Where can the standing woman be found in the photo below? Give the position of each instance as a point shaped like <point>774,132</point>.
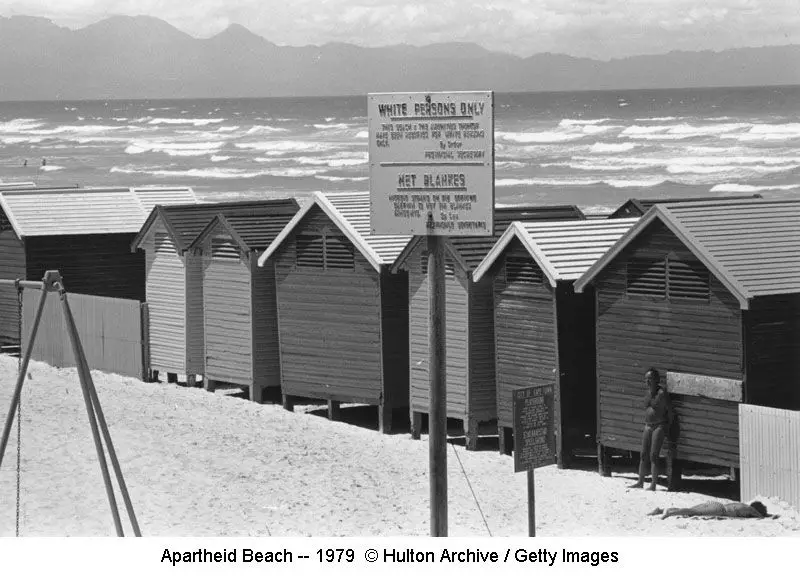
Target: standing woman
<point>658,416</point>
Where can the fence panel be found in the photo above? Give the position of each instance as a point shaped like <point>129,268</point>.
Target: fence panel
<point>110,330</point>
<point>769,445</point>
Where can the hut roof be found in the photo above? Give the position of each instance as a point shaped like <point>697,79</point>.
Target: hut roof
<point>185,222</point>
<point>751,246</point>
<point>563,250</point>
<point>15,184</point>
<point>253,225</point>
<point>350,212</point>
<point>83,211</point>
<point>635,207</point>
<point>469,251</point>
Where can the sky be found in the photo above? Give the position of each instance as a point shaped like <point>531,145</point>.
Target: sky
<point>600,29</point>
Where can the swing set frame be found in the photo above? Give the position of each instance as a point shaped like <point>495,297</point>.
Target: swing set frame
<point>52,283</point>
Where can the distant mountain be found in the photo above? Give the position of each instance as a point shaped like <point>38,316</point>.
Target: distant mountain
<point>144,57</point>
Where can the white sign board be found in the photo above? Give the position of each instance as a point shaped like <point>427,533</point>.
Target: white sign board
<point>431,163</point>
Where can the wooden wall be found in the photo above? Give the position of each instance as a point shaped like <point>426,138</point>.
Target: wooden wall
<point>195,327</point>
<point>266,347</point>
<point>166,299</point>
<point>525,334</point>
<point>394,337</point>
<point>457,288</point>
<point>700,337</point>
<point>482,395</point>
<point>330,324</point>
<point>227,312</point>
<point>98,265</point>
<point>12,266</point>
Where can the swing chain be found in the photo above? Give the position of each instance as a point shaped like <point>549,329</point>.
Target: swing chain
<point>19,406</point>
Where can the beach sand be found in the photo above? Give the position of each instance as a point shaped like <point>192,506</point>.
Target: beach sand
<point>215,464</point>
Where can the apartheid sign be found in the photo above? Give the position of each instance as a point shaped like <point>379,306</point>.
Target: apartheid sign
<point>534,427</point>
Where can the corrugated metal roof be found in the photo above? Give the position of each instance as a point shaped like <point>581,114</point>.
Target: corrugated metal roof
<point>470,251</point>
<point>751,246</point>
<point>151,197</point>
<point>16,184</point>
<point>350,212</point>
<point>254,224</point>
<point>636,207</point>
<point>79,211</point>
<point>185,222</point>
<point>563,250</point>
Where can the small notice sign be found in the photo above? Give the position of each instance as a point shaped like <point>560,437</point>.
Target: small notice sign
<point>534,427</point>
<point>431,163</point>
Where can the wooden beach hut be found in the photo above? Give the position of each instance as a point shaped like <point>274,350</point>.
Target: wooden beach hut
<point>544,331</point>
<point>636,207</point>
<point>174,284</point>
<point>83,233</point>
<point>709,294</point>
<point>343,317</point>
<point>238,298</point>
<point>470,371</point>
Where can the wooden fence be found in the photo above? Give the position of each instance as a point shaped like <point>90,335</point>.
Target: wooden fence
<point>112,331</point>
<point>769,448</point>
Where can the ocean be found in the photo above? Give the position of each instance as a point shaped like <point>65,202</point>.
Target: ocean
<point>593,149</point>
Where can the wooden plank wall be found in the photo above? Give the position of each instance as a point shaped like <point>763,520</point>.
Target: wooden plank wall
<point>394,333</point>
<point>329,325</point>
<point>633,334</point>
<point>482,402</point>
<point>266,348</point>
<point>110,330</point>
<point>525,334</point>
<point>770,462</point>
<point>166,297</point>
<point>227,308</point>
<point>772,331</point>
<point>12,266</point>
<point>99,265</point>
<point>195,325</point>
<point>457,324</point>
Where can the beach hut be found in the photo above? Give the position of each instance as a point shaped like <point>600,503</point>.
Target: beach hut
<point>343,317</point>
<point>83,233</point>
<point>544,331</point>
<point>174,283</point>
<point>238,298</point>
<point>635,207</point>
<point>469,319</point>
<point>709,294</point>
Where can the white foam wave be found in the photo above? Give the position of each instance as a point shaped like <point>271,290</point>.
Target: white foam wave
<point>612,147</point>
<point>623,183</point>
<point>682,131</point>
<point>509,164</point>
<point>179,121</point>
<point>728,169</point>
<point>20,125</point>
<point>362,135</point>
<point>656,119</point>
<point>338,178</point>
<point>769,132</point>
<point>217,158</point>
<point>742,188</point>
<point>331,126</point>
<point>50,168</point>
<point>538,137</point>
<point>544,181</point>
<point>283,147</point>
<point>194,149</point>
<point>342,160</point>
<point>580,122</point>
<point>217,172</point>
<point>227,128</point>
<point>265,130</point>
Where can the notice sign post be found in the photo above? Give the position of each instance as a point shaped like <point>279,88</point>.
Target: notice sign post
<point>431,163</point>
<point>431,173</point>
<point>534,436</point>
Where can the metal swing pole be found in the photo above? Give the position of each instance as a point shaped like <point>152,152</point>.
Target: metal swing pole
<point>26,359</point>
<point>86,380</point>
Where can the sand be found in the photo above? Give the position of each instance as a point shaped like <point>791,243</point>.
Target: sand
<point>215,464</point>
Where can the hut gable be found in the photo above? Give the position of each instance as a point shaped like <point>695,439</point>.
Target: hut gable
<point>750,246</point>
<point>468,252</point>
<point>349,213</point>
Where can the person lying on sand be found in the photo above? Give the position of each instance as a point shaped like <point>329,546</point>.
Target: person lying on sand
<point>716,509</point>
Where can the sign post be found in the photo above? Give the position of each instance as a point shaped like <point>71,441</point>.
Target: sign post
<point>431,162</point>
<point>534,436</point>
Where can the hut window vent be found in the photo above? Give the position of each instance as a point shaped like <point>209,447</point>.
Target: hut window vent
<point>687,280</point>
<point>164,243</point>
<point>646,278</point>
<point>310,251</point>
<point>223,248</point>
<point>523,271</point>
<point>338,253</point>
<point>449,268</point>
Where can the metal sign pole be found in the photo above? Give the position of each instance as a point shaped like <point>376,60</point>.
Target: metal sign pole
<point>531,505</point>
<point>437,416</point>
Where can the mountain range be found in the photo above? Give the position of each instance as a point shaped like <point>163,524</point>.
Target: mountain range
<point>144,57</point>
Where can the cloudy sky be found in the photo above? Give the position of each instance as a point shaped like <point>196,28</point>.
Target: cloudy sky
<point>595,28</point>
